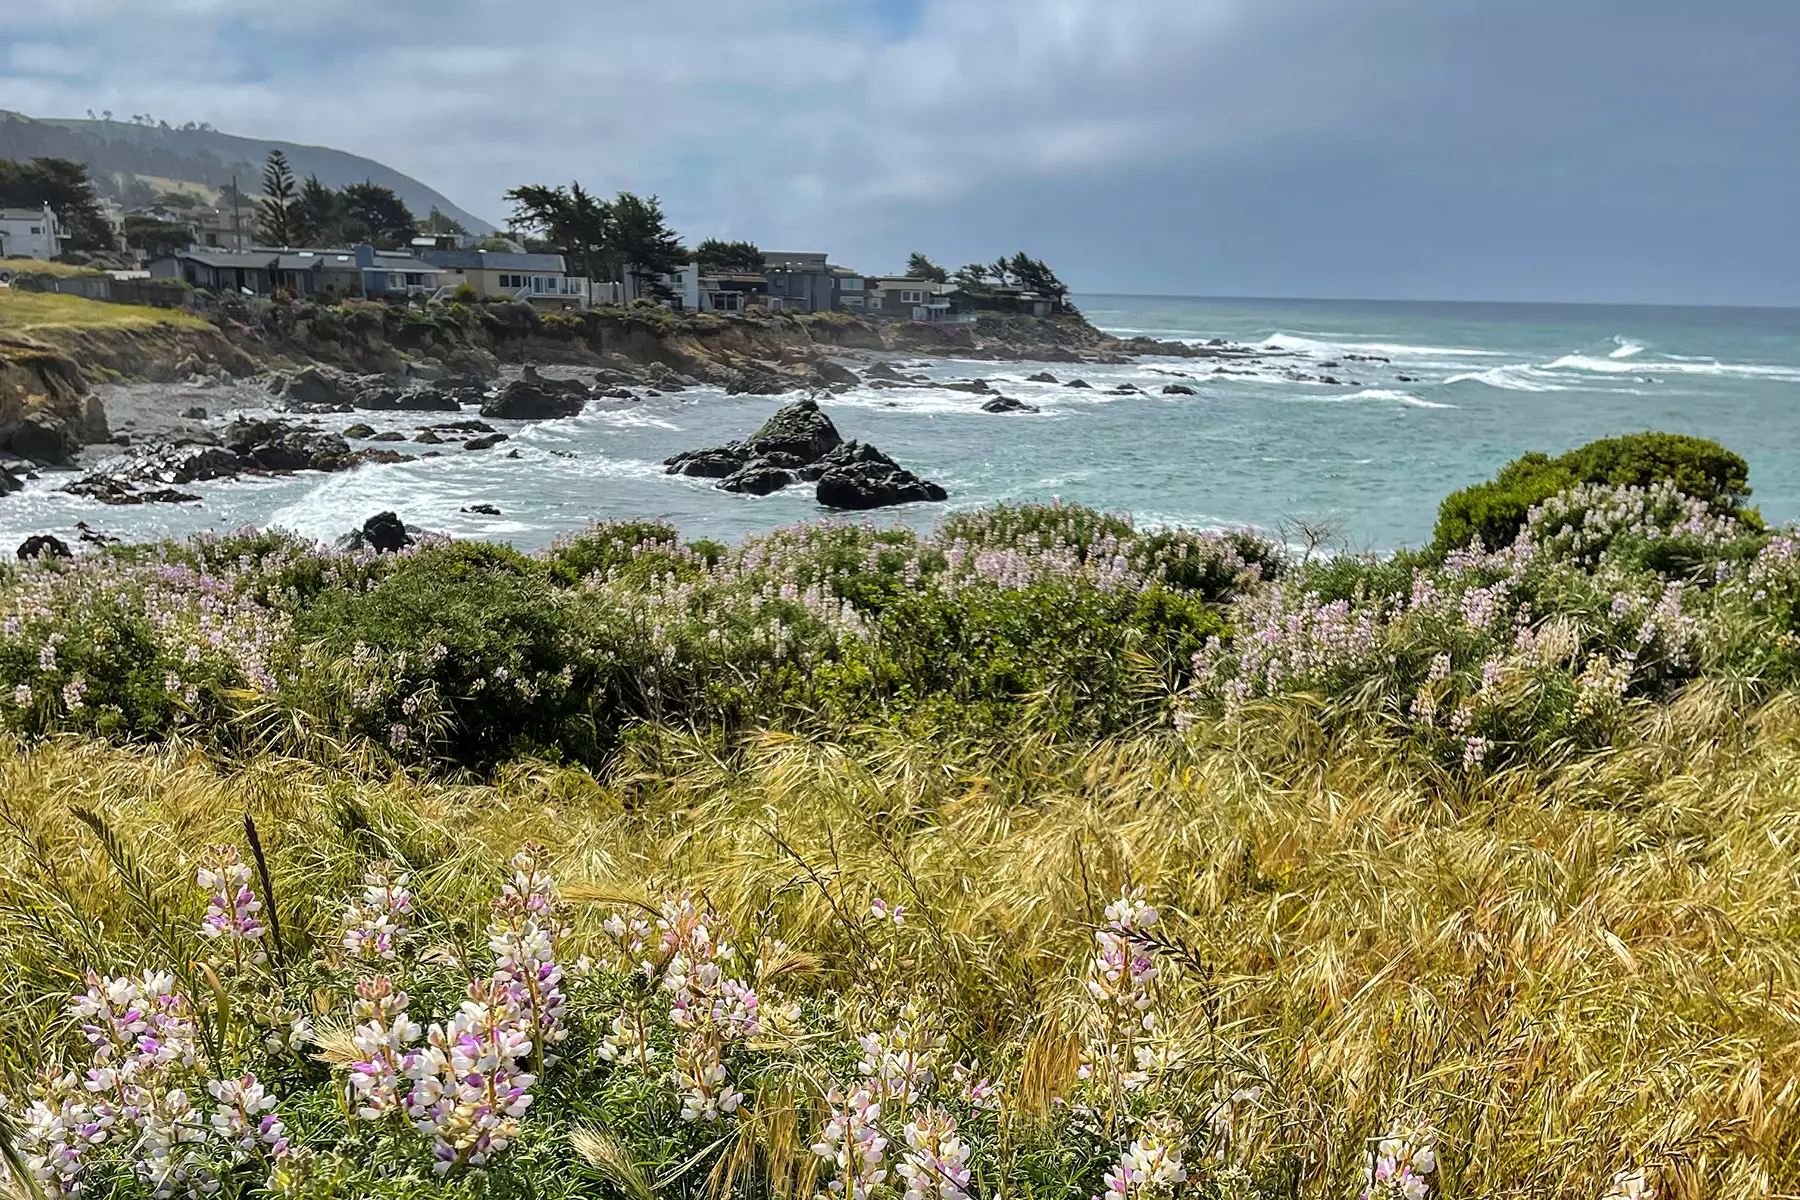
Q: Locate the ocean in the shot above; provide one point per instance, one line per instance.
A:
(1463, 389)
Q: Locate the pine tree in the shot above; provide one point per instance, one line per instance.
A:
(279, 201)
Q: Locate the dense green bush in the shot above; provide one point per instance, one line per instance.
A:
(1495, 511)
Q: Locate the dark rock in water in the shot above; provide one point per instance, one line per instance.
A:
(388, 435)
(485, 510)
(618, 393)
(276, 446)
(381, 396)
(1125, 389)
(1041, 377)
(1365, 358)
(383, 533)
(1178, 389)
(537, 400)
(979, 387)
(1006, 404)
(360, 431)
(1407, 378)
(41, 545)
(429, 438)
(1078, 383)
(195, 413)
(799, 429)
(1058, 354)
(833, 372)
(44, 437)
(312, 386)
(358, 457)
(861, 477)
(9, 483)
(757, 479)
(759, 383)
(512, 454)
(109, 490)
(715, 463)
(485, 442)
(462, 427)
(883, 371)
(96, 537)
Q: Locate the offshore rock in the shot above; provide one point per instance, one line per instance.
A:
(859, 477)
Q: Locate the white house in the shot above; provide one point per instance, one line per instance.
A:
(30, 233)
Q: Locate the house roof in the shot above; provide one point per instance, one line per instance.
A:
(492, 260)
(254, 260)
(23, 214)
(306, 260)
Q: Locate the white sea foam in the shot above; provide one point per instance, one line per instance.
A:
(1295, 344)
(1610, 366)
(1626, 348)
(1387, 394)
(1517, 378)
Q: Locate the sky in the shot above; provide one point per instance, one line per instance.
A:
(1626, 151)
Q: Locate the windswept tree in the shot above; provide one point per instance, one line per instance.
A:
(972, 277)
(315, 214)
(378, 216)
(570, 221)
(1001, 270)
(643, 240)
(716, 255)
(1035, 275)
(279, 200)
(65, 187)
(920, 267)
(156, 238)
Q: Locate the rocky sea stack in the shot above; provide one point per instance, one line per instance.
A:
(799, 443)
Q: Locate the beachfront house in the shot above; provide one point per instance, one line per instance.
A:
(31, 233)
(701, 290)
(800, 281)
(246, 273)
(917, 300)
(541, 279)
(853, 289)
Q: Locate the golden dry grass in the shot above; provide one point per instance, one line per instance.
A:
(42, 315)
(1570, 974)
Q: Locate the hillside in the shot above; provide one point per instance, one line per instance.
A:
(114, 149)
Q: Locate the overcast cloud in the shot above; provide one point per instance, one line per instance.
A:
(1617, 150)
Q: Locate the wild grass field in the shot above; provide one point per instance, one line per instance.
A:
(1040, 857)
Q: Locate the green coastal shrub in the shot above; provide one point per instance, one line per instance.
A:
(1495, 511)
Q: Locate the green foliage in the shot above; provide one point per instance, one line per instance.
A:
(156, 238)
(65, 187)
(465, 293)
(918, 266)
(278, 202)
(714, 255)
(1495, 511)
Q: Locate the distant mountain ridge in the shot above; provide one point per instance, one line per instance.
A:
(206, 157)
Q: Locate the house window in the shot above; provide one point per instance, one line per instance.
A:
(514, 282)
(36, 230)
(911, 297)
(542, 283)
(851, 285)
(415, 279)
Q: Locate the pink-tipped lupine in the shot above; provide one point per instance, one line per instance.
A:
(375, 925)
(232, 909)
(853, 1144)
(935, 1163)
(1631, 1185)
(978, 1091)
(1150, 1166)
(469, 1090)
(1404, 1166)
(384, 1036)
(244, 1117)
(60, 1127)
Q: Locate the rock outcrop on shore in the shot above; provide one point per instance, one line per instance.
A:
(799, 443)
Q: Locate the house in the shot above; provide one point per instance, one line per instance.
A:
(1011, 298)
(800, 281)
(542, 279)
(30, 233)
(918, 300)
(397, 273)
(319, 272)
(853, 289)
(719, 291)
(251, 272)
(227, 228)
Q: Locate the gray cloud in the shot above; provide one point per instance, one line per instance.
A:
(1606, 149)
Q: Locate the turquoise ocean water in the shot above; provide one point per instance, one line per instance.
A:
(1373, 454)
